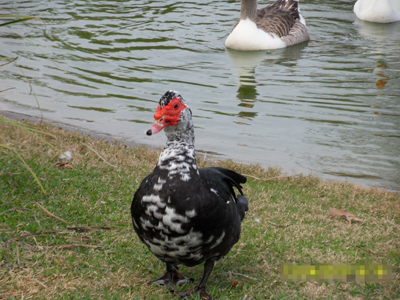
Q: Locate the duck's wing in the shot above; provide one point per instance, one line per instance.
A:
(221, 181)
(137, 207)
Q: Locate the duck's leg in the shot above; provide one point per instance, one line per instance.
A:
(172, 277)
(201, 287)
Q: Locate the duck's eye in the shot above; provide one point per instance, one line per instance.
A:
(176, 106)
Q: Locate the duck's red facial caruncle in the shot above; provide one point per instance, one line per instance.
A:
(167, 116)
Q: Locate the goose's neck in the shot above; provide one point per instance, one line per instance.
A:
(248, 10)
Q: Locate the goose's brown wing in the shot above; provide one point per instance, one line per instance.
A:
(279, 17)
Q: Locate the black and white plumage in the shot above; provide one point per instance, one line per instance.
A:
(276, 26)
(183, 214)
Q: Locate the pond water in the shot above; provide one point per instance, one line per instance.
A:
(329, 107)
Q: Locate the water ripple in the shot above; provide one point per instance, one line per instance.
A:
(330, 106)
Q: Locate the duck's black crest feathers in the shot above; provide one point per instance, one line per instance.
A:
(168, 96)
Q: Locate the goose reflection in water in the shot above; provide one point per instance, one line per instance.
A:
(384, 38)
(246, 63)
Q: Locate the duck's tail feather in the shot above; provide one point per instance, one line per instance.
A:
(243, 205)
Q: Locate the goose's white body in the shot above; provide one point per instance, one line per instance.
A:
(378, 11)
(276, 26)
(247, 37)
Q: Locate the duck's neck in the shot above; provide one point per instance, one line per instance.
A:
(248, 10)
(178, 156)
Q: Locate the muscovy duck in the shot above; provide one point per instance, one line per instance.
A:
(276, 26)
(183, 214)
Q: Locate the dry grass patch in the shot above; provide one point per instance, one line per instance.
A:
(96, 255)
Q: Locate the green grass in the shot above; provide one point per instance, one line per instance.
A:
(38, 260)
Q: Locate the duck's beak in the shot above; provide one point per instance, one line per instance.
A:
(157, 126)
(166, 116)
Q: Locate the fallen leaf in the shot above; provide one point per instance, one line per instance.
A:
(344, 213)
(64, 165)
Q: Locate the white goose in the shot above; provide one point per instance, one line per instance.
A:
(276, 26)
(378, 11)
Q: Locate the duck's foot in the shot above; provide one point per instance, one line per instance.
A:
(172, 277)
(197, 291)
(200, 289)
